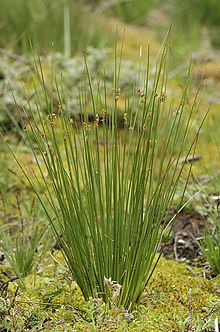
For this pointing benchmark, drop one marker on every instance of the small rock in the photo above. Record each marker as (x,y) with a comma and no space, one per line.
(190,159)
(128,317)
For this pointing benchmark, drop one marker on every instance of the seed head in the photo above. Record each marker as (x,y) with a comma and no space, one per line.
(86,126)
(96,122)
(103,115)
(59,109)
(125,119)
(162,97)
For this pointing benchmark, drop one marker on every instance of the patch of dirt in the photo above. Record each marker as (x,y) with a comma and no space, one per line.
(206,70)
(182,246)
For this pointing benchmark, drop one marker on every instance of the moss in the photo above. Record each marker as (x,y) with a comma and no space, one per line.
(135,37)
(53,302)
(5,273)
(170,293)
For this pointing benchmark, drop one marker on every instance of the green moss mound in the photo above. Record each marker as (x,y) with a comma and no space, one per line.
(176,298)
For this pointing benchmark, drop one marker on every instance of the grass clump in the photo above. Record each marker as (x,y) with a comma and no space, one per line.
(133,11)
(67,24)
(210,247)
(209,244)
(195,16)
(110,189)
(24,240)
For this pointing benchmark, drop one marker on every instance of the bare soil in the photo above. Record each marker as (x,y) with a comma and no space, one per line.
(182,246)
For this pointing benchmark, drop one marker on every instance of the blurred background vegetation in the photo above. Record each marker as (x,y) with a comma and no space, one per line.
(69,27)
(66,28)
(72,25)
